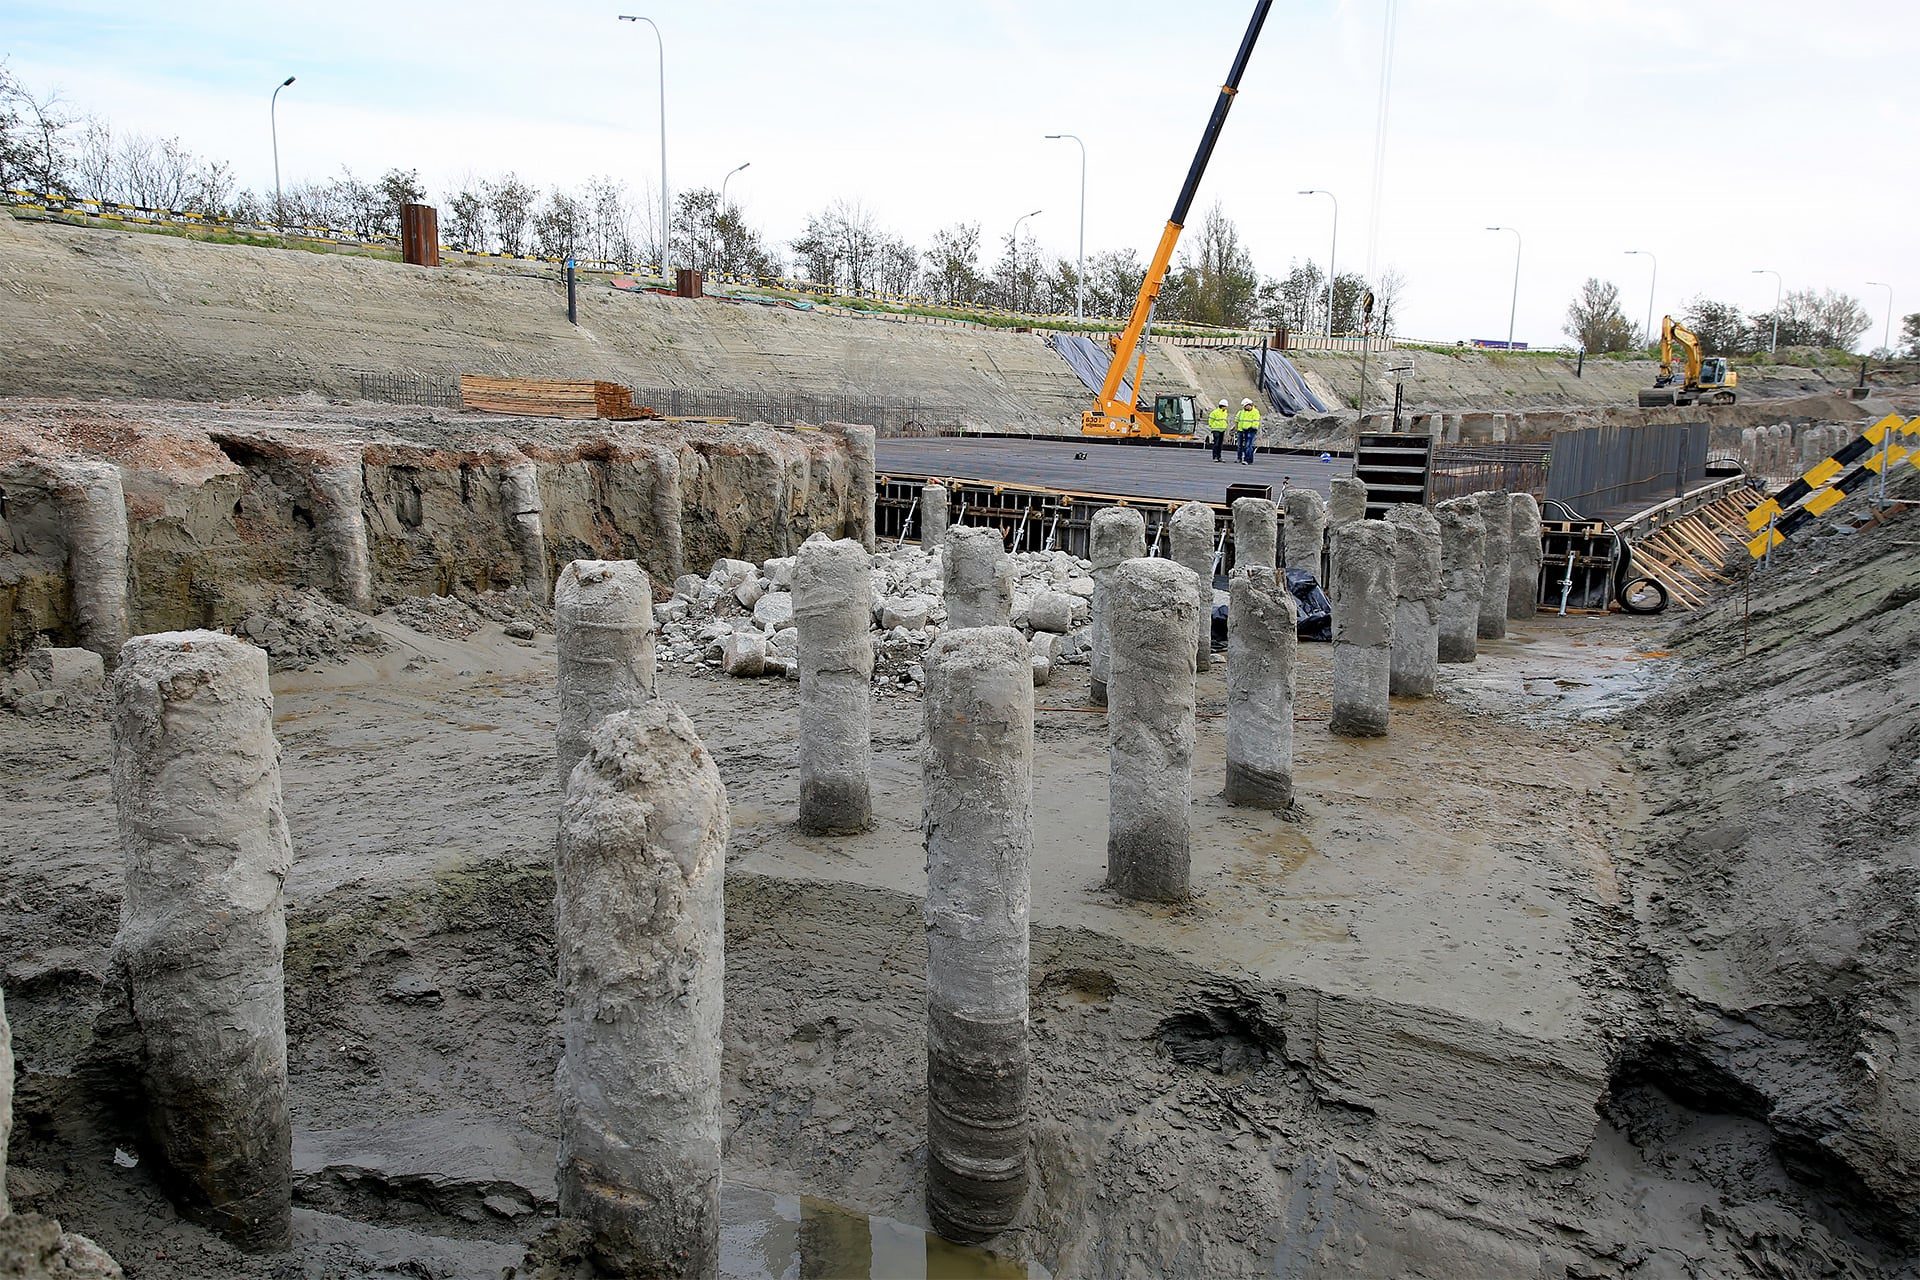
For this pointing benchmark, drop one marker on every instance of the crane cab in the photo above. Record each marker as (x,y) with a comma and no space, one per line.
(1176,416)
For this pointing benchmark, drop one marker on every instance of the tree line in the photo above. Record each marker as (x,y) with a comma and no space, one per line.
(46,146)
(1822,318)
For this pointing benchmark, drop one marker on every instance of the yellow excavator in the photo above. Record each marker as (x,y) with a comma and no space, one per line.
(1704,380)
(1174,415)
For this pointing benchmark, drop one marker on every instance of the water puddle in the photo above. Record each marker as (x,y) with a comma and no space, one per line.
(765,1236)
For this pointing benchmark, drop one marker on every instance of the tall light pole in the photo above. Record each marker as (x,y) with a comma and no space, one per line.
(273,121)
(1773,344)
(724,181)
(1080,259)
(1332,248)
(1514,308)
(1652,285)
(1886,338)
(1013,242)
(666,222)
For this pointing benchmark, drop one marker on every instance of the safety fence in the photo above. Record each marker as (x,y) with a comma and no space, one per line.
(887,417)
(409,388)
(1604,472)
(1852,467)
(1461,469)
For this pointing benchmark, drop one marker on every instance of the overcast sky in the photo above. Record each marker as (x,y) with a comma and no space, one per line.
(1721,136)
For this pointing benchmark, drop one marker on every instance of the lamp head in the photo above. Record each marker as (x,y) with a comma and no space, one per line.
(286,82)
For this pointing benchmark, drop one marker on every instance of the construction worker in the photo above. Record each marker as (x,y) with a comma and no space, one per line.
(1217,427)
(1248,425)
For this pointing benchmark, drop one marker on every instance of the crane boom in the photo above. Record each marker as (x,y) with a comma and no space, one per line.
(1110,415)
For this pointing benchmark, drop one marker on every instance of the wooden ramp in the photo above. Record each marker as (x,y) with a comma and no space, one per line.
(537,398)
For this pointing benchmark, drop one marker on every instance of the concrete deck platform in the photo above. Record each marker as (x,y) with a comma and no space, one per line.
(1176,472)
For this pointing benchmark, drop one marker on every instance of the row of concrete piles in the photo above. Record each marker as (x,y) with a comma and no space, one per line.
(642,835)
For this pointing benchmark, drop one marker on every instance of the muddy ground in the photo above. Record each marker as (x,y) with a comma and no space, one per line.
(1534,986)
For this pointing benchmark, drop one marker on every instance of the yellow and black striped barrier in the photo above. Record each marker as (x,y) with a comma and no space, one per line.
(1817,491)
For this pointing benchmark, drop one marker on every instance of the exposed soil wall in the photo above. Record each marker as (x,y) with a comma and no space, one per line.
(223,505)
(101,312)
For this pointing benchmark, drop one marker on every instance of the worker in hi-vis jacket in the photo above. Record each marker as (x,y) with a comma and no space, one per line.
(1217,427)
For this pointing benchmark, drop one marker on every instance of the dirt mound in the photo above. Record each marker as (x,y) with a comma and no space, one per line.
(301,630)
(1778,894)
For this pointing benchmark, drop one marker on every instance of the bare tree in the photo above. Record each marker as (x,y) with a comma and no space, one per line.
(467,216)
(557,230)
(952,264)
(609,229)
(510,202)
(34,151)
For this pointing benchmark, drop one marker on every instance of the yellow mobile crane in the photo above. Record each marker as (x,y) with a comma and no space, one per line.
(1176,415)
(1705,378)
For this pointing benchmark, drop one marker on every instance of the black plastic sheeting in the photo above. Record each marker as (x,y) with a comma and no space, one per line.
(1286,389)
(1314,611)
(1089,360)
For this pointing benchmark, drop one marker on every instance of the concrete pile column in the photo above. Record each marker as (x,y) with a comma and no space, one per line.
(667,509)
(1117,534)
(202,941)
(979,579)
(978,775)
(337,481)
(933,516)
(1525,555)
(603,635)
(1305,532)
(1349,501)
(832,607)
(639,932)
(1150,726)
(1256,534)
(1463,577)
(6,1100)
(1748,453)
(860,481)
(526,529)
(1417,588)
(1262,636)
(1364,553)
(1496,513)
(1192,547)
(97,556)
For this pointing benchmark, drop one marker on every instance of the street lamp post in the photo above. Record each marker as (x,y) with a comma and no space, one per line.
(1332,248)
(666,223)
(1652,286)
(1773,344)
(724,181)
(1080,258)
(1013,242)
(273,121)
(1513,308)
(1886,337)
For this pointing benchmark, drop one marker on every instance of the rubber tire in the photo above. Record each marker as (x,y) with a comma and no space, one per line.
(1626,597)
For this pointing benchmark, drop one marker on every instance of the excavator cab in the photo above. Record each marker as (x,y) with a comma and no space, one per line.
(1176,416)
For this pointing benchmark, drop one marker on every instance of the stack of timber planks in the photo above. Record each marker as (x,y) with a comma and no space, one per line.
(539,398)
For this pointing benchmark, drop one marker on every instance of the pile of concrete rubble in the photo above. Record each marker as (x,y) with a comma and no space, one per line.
(738,619)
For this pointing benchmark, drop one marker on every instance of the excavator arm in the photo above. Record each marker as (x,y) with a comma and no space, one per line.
(1111,415)
(1672,332)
